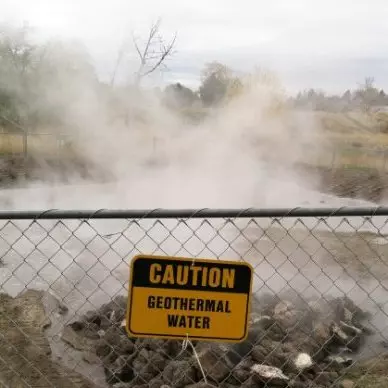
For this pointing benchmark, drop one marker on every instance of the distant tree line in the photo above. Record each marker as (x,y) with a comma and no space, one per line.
(40,82)
(367,97)
(218,84)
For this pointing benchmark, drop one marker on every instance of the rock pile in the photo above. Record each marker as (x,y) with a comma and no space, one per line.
(288,345)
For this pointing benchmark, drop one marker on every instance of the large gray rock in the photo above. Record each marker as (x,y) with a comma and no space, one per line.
(271,353)
(179,374)
(120,370)
(77,335)
(214,362)
(241,372)
(112,313)
(321,333)
(270,375)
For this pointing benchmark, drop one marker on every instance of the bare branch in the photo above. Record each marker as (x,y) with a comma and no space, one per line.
(153,30)
(152,57)
(166,52)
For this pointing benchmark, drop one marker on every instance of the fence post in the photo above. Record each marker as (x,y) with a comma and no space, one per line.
(333,158)
(25,144)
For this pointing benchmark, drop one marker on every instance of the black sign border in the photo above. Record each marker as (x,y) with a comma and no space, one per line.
(181,337)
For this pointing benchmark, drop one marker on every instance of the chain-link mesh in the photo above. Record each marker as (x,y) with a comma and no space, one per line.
(318,315)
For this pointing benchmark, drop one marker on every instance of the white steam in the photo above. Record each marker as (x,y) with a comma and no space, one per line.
(244,154)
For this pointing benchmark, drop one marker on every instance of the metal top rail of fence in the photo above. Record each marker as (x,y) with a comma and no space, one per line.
(318,315)
(346,211)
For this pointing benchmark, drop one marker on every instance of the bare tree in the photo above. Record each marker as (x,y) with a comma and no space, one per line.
(369,83)
(368,95)
(120,56)
(155,52)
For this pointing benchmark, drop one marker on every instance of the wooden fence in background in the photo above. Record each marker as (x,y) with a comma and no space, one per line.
(24,144)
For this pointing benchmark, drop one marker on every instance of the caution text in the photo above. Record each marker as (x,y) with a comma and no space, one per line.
(187,274)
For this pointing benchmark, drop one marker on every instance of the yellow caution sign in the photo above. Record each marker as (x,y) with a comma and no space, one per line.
(172,297)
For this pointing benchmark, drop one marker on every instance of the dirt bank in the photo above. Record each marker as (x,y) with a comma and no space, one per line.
(17,170)
(359,183)
(25,352)
(366,184)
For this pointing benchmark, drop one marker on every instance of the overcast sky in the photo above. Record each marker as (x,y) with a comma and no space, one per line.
(330,44)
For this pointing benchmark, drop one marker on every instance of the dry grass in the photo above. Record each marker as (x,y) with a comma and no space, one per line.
(354,140)
(370,374)
(349,158)
(11,144)
(345,140)
(357,127)
(43,145)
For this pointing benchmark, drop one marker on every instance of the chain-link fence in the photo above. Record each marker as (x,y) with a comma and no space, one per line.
(318,314)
